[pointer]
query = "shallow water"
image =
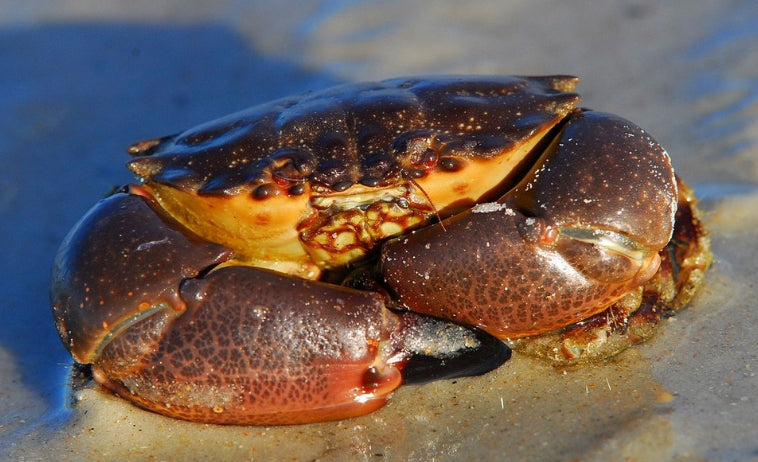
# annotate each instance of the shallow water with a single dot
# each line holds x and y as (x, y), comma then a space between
(81, 80)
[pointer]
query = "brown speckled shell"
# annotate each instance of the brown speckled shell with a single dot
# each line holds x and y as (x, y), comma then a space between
(355, 133)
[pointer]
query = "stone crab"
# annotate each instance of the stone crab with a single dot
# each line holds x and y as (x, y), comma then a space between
(299, 260)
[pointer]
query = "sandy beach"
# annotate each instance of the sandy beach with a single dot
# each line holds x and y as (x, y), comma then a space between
(82, 79)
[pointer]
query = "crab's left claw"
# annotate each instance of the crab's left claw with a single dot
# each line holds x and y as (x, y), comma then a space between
(100, 288)
(581, 230)
(168, 324)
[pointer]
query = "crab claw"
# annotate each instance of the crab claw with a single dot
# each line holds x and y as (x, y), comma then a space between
(582, 229)
(121, 262)
(168, 324)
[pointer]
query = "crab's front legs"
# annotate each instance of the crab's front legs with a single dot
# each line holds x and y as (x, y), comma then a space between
(166, 325)
(581, 230)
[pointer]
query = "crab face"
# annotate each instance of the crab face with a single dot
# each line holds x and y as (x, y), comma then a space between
(490, 201)
(299, 185)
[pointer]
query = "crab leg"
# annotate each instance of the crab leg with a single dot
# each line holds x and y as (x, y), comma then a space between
(583, 228)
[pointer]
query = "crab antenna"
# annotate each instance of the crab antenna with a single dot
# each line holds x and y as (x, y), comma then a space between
(428, 199)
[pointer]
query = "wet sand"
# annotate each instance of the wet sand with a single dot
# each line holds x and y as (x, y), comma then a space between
(83, 79)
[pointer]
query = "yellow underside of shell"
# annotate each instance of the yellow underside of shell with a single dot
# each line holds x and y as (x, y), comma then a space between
(303, 234)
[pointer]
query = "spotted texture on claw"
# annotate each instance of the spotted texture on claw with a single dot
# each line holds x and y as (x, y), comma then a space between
(166, 325)
(609, 173)
(145, 256)
(257, 351)
(582, 229)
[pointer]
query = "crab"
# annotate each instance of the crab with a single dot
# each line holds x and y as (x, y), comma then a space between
(297, 261)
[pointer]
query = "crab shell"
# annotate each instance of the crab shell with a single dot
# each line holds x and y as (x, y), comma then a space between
(197, 294)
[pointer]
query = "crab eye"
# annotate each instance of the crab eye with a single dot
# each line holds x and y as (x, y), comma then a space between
(430, 158)
(265, 191)
(451, 164)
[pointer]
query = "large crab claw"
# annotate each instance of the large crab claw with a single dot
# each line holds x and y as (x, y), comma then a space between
(166, 325)
(582, 229)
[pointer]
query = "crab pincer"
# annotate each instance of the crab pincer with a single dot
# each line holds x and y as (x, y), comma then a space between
(582, 229)
(167, 326)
